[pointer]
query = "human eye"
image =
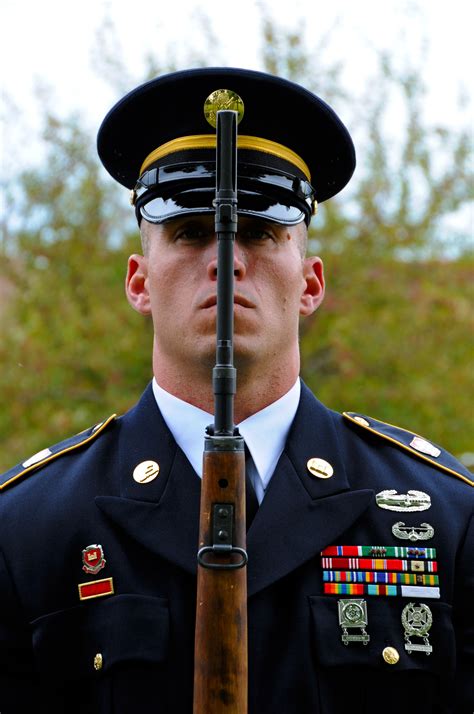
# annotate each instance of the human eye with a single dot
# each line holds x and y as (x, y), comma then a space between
(191, 233)
(256, 233)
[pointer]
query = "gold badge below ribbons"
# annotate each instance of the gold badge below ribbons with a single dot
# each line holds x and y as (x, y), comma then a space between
(320, 468)
(146, 471)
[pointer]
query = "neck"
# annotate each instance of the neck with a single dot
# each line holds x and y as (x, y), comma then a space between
(257, 385)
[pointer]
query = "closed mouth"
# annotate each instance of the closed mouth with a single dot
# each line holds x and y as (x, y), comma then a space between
(211, 301)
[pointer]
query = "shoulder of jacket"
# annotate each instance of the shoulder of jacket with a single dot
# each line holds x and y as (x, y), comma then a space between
(411, 444)
(46, 456)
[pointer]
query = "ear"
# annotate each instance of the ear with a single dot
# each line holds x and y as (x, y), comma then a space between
(313, 295)
(136, 284)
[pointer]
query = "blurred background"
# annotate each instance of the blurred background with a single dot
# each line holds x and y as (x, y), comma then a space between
(394, 338)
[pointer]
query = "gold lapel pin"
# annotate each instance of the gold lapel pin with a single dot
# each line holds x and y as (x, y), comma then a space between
(146, 471)
(320, 468)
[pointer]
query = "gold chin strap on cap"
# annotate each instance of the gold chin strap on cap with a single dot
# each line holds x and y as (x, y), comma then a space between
(208, 141)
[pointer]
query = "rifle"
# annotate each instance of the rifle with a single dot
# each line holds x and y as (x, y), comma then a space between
(220, 659)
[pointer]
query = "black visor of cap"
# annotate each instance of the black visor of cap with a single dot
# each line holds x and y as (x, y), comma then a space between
(168, 192)
(161, 209)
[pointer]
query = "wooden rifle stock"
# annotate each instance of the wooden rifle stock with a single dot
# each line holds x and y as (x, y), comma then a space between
(220, 656)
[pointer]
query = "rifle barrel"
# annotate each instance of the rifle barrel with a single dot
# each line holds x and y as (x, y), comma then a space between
(221, 660)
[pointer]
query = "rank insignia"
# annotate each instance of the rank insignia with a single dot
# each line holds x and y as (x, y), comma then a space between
(425, 447)
(93, 559)
(353, 615)
(410, 501)
(417, 621)
(414, 533)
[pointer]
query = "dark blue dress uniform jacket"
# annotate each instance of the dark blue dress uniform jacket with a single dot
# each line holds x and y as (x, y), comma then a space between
(144, 631)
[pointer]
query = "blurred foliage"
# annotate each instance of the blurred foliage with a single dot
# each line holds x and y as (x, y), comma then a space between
(393, 338)
(72, 346)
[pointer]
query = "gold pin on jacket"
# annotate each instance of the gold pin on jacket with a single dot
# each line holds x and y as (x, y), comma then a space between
(320, 468)
(146, 471)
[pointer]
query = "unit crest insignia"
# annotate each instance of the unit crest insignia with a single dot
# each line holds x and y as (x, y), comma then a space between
(93, 559)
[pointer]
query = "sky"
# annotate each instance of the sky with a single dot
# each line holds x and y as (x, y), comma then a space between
(56, 44)
(54, 40)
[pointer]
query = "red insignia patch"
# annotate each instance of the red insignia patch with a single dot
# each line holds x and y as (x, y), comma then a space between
(93, 559)
(96, 588)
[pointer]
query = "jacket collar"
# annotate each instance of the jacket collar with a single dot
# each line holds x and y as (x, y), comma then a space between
(299, 516)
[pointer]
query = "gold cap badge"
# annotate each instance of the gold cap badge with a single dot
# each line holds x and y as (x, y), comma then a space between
(222, 99)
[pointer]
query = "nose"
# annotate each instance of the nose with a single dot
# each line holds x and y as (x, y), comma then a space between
(239, 263)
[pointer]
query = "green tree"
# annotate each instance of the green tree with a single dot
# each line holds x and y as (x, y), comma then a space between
(71, 347)
(393, 339)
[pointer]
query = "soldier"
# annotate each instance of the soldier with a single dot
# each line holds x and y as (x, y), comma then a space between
(98, 534)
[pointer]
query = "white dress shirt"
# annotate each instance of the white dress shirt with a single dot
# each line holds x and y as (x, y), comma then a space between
(264, 433)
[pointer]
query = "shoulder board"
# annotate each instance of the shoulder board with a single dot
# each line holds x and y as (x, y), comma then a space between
(45, 456)
(413, 444)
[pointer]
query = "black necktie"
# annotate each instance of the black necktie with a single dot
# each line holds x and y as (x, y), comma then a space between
(251, 500)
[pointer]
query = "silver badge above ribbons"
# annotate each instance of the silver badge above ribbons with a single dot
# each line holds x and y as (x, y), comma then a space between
(414, 533)
(410, 501)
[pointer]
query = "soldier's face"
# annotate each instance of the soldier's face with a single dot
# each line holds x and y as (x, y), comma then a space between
(176, 283)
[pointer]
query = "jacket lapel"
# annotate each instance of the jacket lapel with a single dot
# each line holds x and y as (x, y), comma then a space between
(301, 514)
(162, 515)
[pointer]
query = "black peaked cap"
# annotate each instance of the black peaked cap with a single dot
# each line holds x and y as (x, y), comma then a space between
(276, 109)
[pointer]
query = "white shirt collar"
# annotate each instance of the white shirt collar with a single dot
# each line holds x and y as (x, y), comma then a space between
(187, 423)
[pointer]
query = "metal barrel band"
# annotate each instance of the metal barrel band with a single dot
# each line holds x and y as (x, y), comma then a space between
(222, 550)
